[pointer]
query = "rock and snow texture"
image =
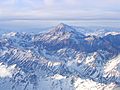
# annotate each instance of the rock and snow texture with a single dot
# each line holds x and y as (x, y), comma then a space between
(61, 59)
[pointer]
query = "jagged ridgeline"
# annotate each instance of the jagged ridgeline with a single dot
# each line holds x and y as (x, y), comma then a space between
(64, 58)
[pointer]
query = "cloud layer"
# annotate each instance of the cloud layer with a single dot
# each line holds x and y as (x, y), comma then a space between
(60, 9)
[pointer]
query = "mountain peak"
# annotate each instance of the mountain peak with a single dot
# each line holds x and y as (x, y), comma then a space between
(61, 25)
(63, 28)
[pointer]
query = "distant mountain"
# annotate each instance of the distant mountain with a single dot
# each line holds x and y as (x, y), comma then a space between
(63, 58)
(96, 30)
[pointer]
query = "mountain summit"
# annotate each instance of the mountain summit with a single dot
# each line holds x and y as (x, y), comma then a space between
(61, 36)
(63, 29)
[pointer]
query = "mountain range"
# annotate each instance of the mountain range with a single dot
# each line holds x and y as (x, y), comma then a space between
(64, 58)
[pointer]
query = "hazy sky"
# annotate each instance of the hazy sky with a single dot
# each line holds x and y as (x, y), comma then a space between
(60, 9)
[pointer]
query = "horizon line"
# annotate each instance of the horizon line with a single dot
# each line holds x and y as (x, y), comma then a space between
(56, 19)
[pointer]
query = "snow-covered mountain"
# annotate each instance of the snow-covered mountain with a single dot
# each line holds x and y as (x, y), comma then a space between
(97, 30)
(61, 59)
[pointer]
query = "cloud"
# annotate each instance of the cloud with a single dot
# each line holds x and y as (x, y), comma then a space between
(59, 8)
(49, 2)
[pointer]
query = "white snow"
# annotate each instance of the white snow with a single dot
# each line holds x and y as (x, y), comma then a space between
(58, 77)
(81, 84)
(11, 34)
(112, 33)
(6, 71)
(112, 64)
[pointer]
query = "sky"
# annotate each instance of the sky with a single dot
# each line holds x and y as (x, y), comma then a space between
(60, 9)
